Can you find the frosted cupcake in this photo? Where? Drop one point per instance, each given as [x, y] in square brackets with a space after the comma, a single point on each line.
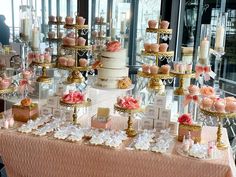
[165, 69]
[152, 23]
[220, 105]
[230, 107]
[193, 90]
[154, 69]
[207, 103]
[146, 68]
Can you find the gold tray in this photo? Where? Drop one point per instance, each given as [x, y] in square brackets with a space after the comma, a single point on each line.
[56, 23]
[130, 111]
[78, 105]
[75, 26]
[154, 76]
[8, 90]
[164, 54]
[218, 114]
[48, 65]
[161, 31]
[182, 75]
[79, 48]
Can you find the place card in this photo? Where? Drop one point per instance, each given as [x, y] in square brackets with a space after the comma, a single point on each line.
[160, 124]
[151, 111]
[45, 110]
[165, 114]
[147, 124]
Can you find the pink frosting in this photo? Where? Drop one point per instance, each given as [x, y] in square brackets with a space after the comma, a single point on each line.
[165, 69]
[83, 62]
[220, 105]
[207, 103]
[70, 62]
[81, 41]
[146, 68]
[230, 106]
[147, 47]
[152, 23]
[154, 69]
[154, 47]
[164, 24]
[113, 46]
[63, 61]
[69, 20]
[163, 47]
[80, 20]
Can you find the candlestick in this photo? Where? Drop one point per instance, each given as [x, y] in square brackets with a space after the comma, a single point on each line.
[205, 44]
[204, 49]
[35, 38]
[122, 27]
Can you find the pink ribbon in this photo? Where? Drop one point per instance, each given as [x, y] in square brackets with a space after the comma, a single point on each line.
[23, 84]
[203, 70]
[189, 98]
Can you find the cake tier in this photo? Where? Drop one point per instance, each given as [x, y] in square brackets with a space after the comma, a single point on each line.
[107, 83]
[115, 73]
[114, 59]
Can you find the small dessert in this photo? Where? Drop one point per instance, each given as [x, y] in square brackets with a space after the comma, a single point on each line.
[101, 33]
[41, 58]
[189, 68]
[97, 19]
[60, 35]
[70, 62]
[94, 34]
[163, 47]
[26, 102]
[146, 68]
[69, 20]
[164, 24]
[52, 18]
[69, 41]
[154, 47]
[80, 20]
[101, 19]
[80, 41]
[74, 97]
[128, 102]
[26, 74]
[230, 106]
[230, 99]
[59, 18]
[154, 69]
[62, 61]
[147, 47]
[207, 91]
[207, 103]
[165, 69]
[47, 58]
[220, 105]
[182, 68]
[193, 90]
[83, 62]
[51, 34]
[152, 23]
[124, 83]
[176, 67]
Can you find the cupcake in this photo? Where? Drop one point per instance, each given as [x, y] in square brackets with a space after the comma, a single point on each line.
[154, 47]
[146, 68]
[147, 47]
[176, 67]
[164, 24]
[59, 18]
[154, 69]
[70, 62]
[62, 61]
[207, 91]
[41, 58]
[193, 90]
[220, 105]
[80, 20]
[189, 68]
[182, 68]
[69, 41]
[51, 34]
[152, 23]
[83, 62]
[207, 103]
[165, 69]
[47, 58]
[230, 107]
[163, 47]
[94, 34]
[230, 99]
[81, 41]
[69, 20]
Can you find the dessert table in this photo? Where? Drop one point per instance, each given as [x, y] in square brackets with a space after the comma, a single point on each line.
[31, 156]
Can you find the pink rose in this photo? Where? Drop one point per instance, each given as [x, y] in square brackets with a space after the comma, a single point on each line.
[185, 119]
[113, 46]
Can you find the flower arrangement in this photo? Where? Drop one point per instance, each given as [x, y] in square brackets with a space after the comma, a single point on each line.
[74, 97]
[207, 91]
[113, 46]
[185, 119]
[128, 102]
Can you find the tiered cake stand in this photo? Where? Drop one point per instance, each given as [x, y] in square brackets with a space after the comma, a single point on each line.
[130, 130]
[75, 75]
[43, 78]
[84, 104]
[182, 76]
[155, 82]
[220, 116]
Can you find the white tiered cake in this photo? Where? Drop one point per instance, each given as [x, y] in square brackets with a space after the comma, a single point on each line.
[113, 72]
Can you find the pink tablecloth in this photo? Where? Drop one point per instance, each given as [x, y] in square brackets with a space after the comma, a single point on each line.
[29, 156]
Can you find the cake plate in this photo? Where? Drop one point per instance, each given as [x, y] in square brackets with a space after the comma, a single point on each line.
[155, 82]
[112, 89]
[9, 90]
[130, 130]
[83, 104]
[182, 76]
[220, 116]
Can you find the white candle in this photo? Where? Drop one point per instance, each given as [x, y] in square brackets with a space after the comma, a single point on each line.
[113, 33]
[122, 27]
[219, 43]
[35, 38]
[204, 49]
[26, 25]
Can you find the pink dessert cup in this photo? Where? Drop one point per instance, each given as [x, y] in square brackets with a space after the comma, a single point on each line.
[51, 34]
[154, 69]
[70, 62]
[52, 18]
[80, 20]
[147, 47]
[63, 61]
[165, 69]
[146, 68]
[164, 24]
[207, 103]
[69, 20]
[163, 47]
[152, 23]
[154, 47]
[83, 62]
[81, 41]
[230, 107]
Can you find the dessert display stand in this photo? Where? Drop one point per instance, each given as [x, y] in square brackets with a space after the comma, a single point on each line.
[155, 82]
[44, 78]
[129, 130]
[84, 104]
[220, 116]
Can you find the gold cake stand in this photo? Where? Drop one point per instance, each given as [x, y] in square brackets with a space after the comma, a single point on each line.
[220, 116]
[182, 76]
[84, 104]
[155, 82]
[130, 130]
[44, 78]
[8, 90]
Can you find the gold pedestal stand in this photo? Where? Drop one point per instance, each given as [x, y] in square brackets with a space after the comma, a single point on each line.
[43, 78]
[86, 103]
[181, 90]
[8, 90]
[155, 83]
[129, 130]
[220, 116]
